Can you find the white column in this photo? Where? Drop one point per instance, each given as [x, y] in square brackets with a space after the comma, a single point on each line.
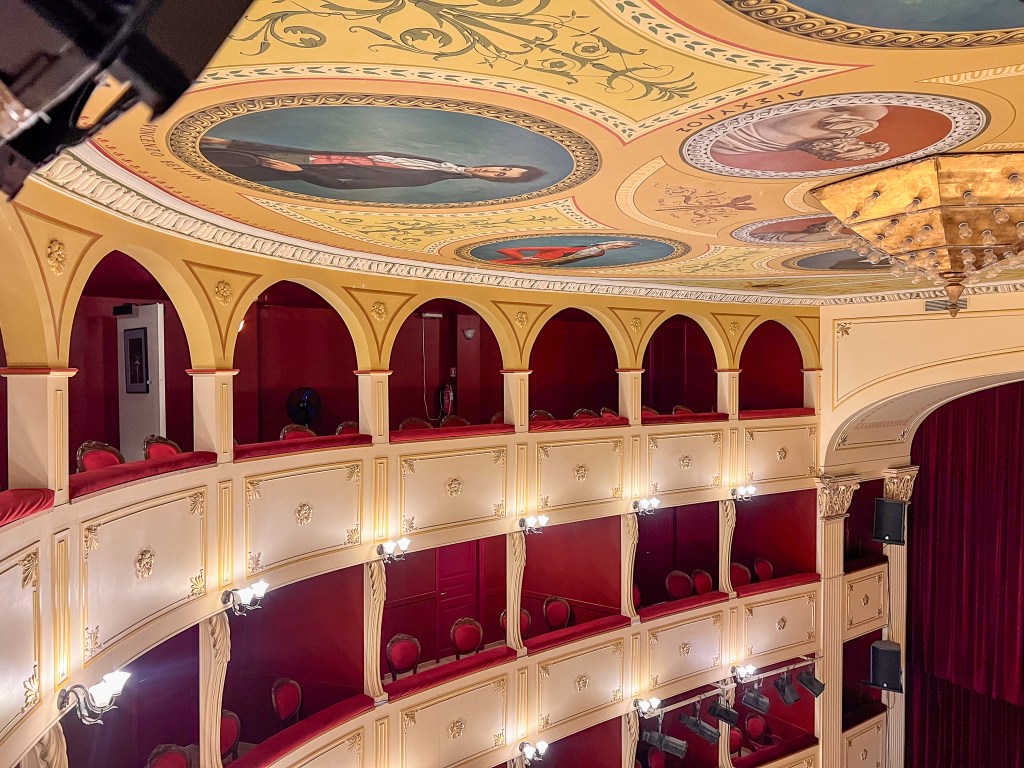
[375, 590]
[629, 537]
[812, 389]
[834, 497]
[37, 428]
[515, 556]
[51, 751]
[729, 391]
[214, 654]
[629, 393]
[517, 399]
[374, 416]
[899, 485]
[213, 412]
[726, 529]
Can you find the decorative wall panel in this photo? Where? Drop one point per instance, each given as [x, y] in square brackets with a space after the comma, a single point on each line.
[452, 488]
[577, 472]
[684, 462]
[865, 602]
[346, 753]
[864, 745]
[787, 453]
[775, 624]
[296, 514]
[20, 639]
[683, 649]
[579, 683]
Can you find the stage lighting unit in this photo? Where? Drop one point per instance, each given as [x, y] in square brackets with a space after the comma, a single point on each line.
[788, 693]
[723, 712]
[706, 731]
[667, 744]
[756, 700]
[807, 679]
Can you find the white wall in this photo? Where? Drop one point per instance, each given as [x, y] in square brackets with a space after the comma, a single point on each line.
[142, 414]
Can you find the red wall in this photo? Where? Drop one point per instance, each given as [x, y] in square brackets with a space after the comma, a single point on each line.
[787, 722]
[679, 368]
[857, 669]
[771, 369]
[573, 363]
[292, 338]
[310, 631]
[577, 561]
[780, 527]
[860, 521]
[160, 705]
[599, 746]
[675, 538]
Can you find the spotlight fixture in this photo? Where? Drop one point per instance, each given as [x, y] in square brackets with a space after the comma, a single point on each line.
[788, 694]
[533, 524]
[241, 601]
[393, 551]
[533, 753]
[94, 701]
[721, 711]
[644, 507]
[646, 707]
[743, 673]
[813, 685]
[756, 700]
[667, 744]
[706, 731]
[744, 492]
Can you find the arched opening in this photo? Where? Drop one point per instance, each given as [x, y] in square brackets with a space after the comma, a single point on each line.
[290, 339]
[679, 376]
[774, 542]
[446, 370]
[132, 356]
[771, 372]
[573, 362]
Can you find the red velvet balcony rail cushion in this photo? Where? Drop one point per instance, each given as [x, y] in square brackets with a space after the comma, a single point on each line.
[777, 413]
[557, 424]
[280, 744]
[279, 447]
[442, 673]
[82, 483]
[22, 502]
[771, 754]
[570, 634]
[652, 612]
[443, 433]
[772, 585]
[681, 418]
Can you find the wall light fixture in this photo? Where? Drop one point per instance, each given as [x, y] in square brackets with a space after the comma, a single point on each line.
[533, 524]
[241, 601]
[94, 701]
[393, 551]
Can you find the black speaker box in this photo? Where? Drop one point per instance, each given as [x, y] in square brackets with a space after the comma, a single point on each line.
[889, 519]
[886, 672]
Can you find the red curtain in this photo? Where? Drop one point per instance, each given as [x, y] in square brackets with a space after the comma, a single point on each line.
[966, 585]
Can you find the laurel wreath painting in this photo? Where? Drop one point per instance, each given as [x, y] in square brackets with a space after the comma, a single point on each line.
[517, 32]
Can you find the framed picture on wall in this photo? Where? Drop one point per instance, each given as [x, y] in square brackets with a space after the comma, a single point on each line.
[136, 361]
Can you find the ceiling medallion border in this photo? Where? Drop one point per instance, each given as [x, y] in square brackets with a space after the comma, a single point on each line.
[184, 136]
[69, 174]
[803, 23]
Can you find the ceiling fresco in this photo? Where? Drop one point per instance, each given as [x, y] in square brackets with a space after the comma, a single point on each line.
[575, 144]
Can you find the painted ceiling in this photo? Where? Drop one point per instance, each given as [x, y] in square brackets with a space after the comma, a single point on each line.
[668, 148]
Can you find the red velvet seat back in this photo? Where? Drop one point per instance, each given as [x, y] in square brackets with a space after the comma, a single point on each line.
[739, 574]
[541, 415]
[498, 418]
[403, 654]
[99, 458]
[525, 620]
[454, 421]
[415, 422]
[467, 636]
[287, 697]
[230, 732]
[735, 740]
[702, 582]
[764, 569]
[557, 612]
[655, 758]
[584, 413]
[681, 409]
[297, 434]
[169, 756]
[162, 451]
[756, 726]
[679, 585]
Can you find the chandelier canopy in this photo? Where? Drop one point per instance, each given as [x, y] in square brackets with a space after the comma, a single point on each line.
[950, 219]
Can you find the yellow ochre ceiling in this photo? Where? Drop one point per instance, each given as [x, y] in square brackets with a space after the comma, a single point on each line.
[660, 148]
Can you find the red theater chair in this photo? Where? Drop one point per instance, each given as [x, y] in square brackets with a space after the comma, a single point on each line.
[414, 422]
[467, 636]
[609, 413]
[702, 582]
[169, 756]
[403, 655]
[655, 758]
[347, 428]
[680, 409]
[739, 574]
[159, 447]
[646, 410]
[230, 733]
[541, 415]
[286, 696]
[557, 612]
[454, 421]
[679, 585]
[735, 741]
[93, 454]
[758, 734]
[764, 569]
[525, 620]
[584, 413]
[498, 418]
[296, 432]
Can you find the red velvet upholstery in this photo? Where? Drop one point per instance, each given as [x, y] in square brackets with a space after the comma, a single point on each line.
[608, 413]
[415, 422]
[403, 655]
[735, 740]
[95, 480]
[22, 502]
[454, 421]
[739, 574]
[646, 410]
[682, 418]
[442, 673]
[557, 612]
[572, 634]
[755, 726]
[92, 454]
[230, 732]
[347, 428]
[498, 418]
[679, 585]
[539, 414]
[584, 413]
[296, 432]
[467, 636]
[557, 424]
[412, 435]
[652, 612]
[636, 597]
[525, 621]
[278, 447]
[763, 569]
[681, 410]
[784, 582]
[159, 447]
[280, 744]
[777, 413]
[286, 696]
[169, 756]
[775, 752]
[655, 758]
[702, 582]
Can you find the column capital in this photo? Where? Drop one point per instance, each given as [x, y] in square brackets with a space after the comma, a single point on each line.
[899, 482]
[835, 495]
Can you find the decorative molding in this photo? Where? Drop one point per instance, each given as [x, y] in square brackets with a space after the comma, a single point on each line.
[354, 472]
[408, 718]
[31, 689]
[835, 495]
[521, 319]
[782, 453]
[91, 539]
[197, 585]
[616, 492]
[144, 564]
[51, 751]
[408, 467]
[197, 503]
[580, 472]
[352, 535]
[223, 291]
[304, 514]
[377, 579]
[454, 486]
[616, 446]
[581, 683]
[355, 744]
[499, 456]
[684, 650]
[685, 462]
[842, 329]
[635, 324]
[456, 728]
[30, 569]
[781, 623]
[214, 655]
[499, 738]
[514, 587]
[408, 524]
[91, 645]
[617, 695]
[499, 509]
[379, 310]
[253, 564]
[899, 483]
[253, 490]
[56, 257]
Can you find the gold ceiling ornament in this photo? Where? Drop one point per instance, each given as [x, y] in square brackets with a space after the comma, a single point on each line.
[144, 564]
[951, 219]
